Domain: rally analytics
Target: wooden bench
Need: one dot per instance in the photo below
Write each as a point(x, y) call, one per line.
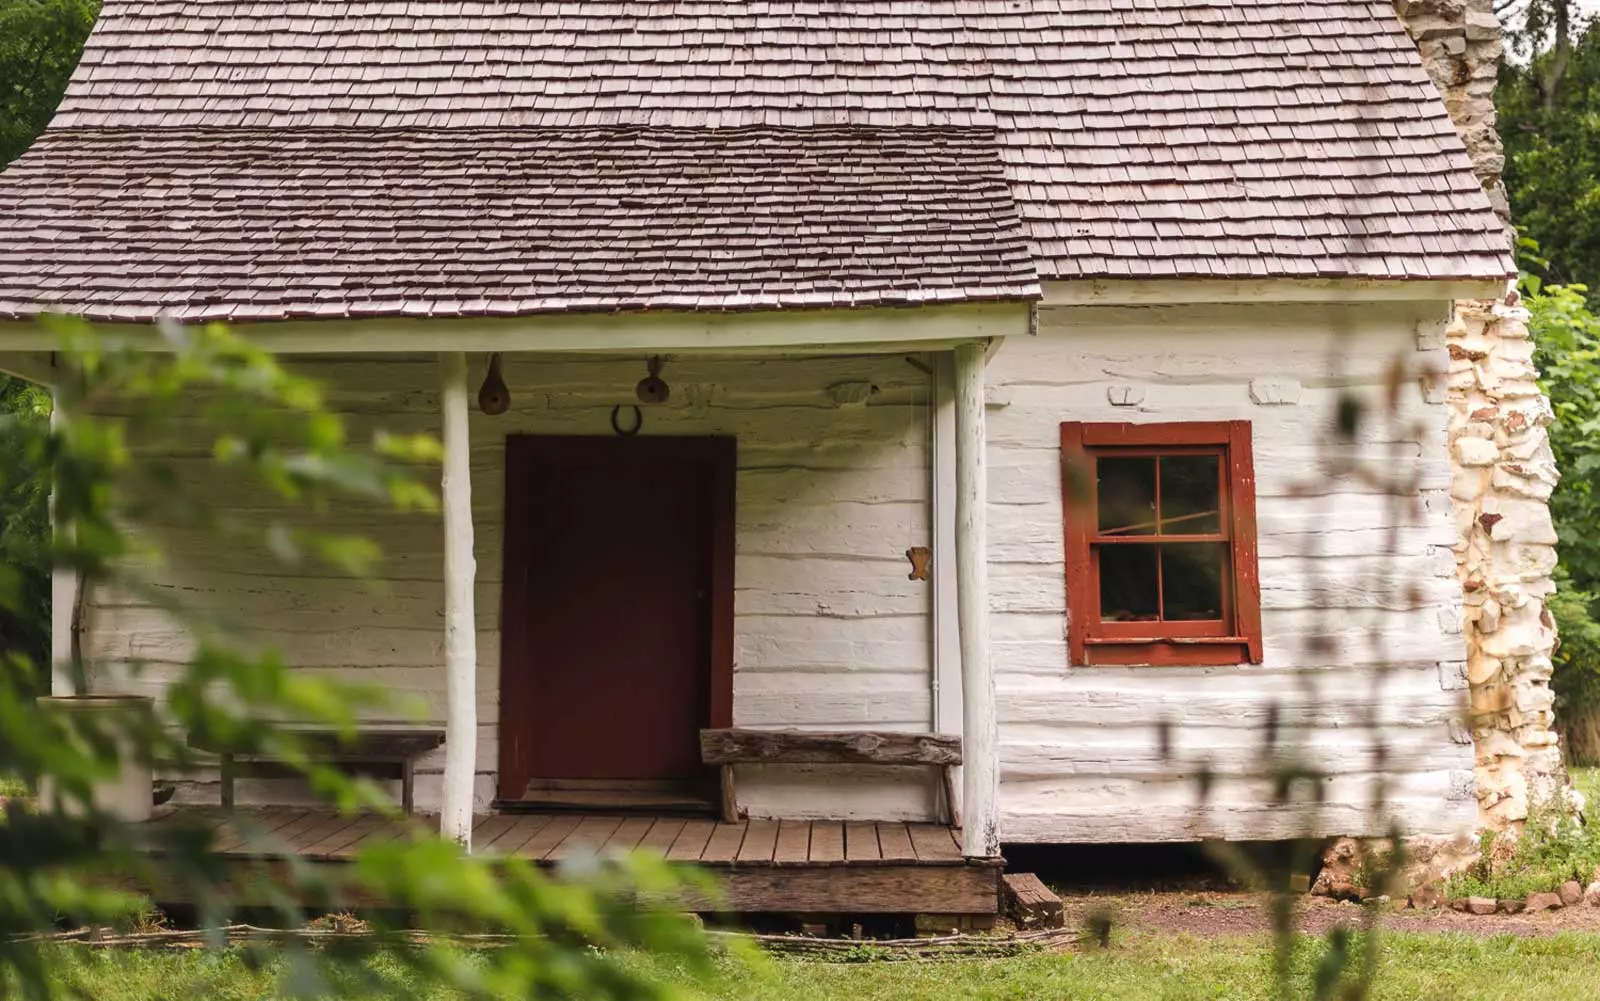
point(729, 747)
point(381, 753)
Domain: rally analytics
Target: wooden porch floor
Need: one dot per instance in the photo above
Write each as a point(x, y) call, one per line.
point(798, 866)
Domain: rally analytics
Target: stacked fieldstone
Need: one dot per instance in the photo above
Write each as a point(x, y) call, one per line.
point(1504, 471)
point(1461, 47)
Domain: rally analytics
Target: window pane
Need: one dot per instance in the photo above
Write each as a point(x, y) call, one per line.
point(1127, 495)
point(1190, 495)
point(1191, 579)
point(1128, 583)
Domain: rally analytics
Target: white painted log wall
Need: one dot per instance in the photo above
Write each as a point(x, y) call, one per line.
point(829, 632)
point(1081, 757)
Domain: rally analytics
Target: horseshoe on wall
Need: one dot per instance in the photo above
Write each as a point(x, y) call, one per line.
point(616, 422)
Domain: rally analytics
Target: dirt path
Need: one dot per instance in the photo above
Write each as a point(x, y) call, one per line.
point(1217, 914)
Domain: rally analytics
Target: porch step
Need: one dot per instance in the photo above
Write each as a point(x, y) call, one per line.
point(1028, 902)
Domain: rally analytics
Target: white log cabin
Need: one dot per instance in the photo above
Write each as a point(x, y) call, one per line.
point(1002, 348)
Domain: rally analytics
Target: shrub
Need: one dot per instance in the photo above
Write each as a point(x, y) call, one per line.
point(1567, 350)
point(1554, 847)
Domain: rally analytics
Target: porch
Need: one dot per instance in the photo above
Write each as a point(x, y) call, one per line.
point(788, 536)
point(760, 866)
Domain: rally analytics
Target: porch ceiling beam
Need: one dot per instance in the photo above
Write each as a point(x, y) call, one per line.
point(798, 330)
point(980, 792)
point(460, 628)
point(1180, 291)
point(37, 367)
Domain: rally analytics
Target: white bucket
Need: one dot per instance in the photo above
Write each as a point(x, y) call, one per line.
point(128, 795)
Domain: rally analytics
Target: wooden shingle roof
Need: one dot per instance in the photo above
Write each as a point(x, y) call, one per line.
point(818, 152)
point(275, 223)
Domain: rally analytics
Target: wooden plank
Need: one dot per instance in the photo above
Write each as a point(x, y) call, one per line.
point(380, 835)
point(627, 836)
point(658, 841)
point(231, 833)
point(376, 743)
point(283, 840)
point(858, 747)
point(861, 842)
point(886, 889)
point(225, 833)
point(598, 800)
point(487, 831)
point(691, 842)
point(585, 839)
point(727, 795)
point(933, 843)
point(521, 833)
point(723, 847)
point(331, 844)
point(827, 841)
point(895, 843)
point(548, 837)
point(760, 839)
point(316, 832)
point(276, 820)
point(1025, 898)
point(794, 842)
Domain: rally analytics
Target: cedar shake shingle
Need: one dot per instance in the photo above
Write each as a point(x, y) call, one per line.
point(1187, 138)
point(281, 223)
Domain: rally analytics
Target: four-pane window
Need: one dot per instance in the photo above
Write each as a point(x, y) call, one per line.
point(1160, 530)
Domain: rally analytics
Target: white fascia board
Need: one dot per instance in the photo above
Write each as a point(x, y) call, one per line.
point(926, 327)
point(1132, 292)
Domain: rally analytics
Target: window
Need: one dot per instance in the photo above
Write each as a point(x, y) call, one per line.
point(1161, 543)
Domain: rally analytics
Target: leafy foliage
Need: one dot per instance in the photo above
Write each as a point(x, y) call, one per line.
point(24, 526)
point(1550, 125)
point(1554, 847)
point(115, 475)
point(40, 41)
point(1566, 338)
point(1567, 351)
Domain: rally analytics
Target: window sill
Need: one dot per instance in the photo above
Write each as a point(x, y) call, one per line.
point(1164, 640)
point(1179, 651)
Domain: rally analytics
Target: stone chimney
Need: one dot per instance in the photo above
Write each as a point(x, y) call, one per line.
point(1461, 48)
point(1503, 468)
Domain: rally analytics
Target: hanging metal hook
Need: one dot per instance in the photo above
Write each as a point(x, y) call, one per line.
point(616, 422)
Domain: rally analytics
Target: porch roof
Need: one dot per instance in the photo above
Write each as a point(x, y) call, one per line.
point(269, 224)
point(1230, 139)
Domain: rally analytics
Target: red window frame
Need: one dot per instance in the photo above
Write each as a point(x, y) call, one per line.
point(1236, 638)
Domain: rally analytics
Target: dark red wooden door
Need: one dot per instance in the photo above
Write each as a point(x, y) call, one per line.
point(617, 591)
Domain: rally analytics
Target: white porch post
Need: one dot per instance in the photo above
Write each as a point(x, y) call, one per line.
point(460, 621)
point(64, 597)
point(980, 771)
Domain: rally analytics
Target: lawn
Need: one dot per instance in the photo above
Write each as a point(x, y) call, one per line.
point(1588, 781)
point(1147, 968)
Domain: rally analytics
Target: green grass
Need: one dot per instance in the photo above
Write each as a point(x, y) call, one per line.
point(1414, 968)
point(1588, 781)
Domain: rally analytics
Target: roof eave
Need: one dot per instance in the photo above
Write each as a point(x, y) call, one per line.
point(1182, 291)
point(862, 330)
